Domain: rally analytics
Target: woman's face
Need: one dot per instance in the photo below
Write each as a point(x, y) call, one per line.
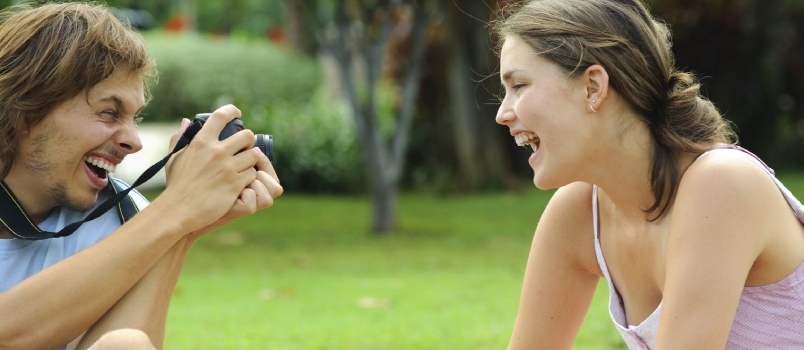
point(547, 109)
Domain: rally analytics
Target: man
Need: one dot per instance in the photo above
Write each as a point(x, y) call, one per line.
point(72, 82)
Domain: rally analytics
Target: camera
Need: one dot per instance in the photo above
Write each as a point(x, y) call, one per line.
point(262, 141)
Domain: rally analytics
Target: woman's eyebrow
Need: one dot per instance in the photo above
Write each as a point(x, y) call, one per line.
point(507, 75)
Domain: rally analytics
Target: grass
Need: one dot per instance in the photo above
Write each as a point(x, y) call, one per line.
point(307, 275)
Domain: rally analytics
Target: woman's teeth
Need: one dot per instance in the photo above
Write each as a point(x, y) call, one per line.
point(527, 140)
point(100, 163)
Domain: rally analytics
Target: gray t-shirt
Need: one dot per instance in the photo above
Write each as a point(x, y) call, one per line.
point(20, 259)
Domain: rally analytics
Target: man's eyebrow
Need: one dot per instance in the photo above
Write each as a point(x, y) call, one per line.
point(119, 104)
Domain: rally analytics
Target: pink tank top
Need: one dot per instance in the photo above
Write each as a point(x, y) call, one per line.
point(768, 317)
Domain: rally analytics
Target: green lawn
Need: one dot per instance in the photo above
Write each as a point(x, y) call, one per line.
point(307, 275)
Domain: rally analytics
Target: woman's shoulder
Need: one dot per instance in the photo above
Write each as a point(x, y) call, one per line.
point(730, 208)
point(732, 194)
point(571, 203)
point(724, 174)
point(567, 223)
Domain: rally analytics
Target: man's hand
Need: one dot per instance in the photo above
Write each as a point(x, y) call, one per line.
point(258, 195)
point(210, 178)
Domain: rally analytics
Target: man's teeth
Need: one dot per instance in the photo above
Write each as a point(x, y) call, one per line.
point(100, 163)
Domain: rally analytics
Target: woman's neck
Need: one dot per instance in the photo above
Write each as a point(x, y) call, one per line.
point(624, 173)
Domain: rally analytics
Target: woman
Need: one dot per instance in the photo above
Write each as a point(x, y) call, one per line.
point(695, 236)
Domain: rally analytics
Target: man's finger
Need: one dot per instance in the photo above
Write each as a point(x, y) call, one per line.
point(248, 201)
point(174, 139)
point(220, 117)
point(264, 198)
point(264, 164)
point(274, 188)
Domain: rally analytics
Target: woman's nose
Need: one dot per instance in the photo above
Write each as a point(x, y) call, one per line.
point(505, 114)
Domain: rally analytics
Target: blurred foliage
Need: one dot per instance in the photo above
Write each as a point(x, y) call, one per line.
point(250, 17)
point(279, 93)
point(199, 74)
point(747, 52)
point(316, 146)
point(255, 17)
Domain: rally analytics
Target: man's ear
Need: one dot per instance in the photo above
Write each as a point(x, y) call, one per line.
point(596, 80)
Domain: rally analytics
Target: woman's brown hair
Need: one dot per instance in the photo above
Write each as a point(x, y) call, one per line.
point(634, 48)
point(52, 53)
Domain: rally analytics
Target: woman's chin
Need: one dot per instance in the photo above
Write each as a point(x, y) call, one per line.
point(543, 182)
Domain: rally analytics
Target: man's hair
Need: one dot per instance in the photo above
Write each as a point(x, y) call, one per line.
point(52, 53)
point(634, 48)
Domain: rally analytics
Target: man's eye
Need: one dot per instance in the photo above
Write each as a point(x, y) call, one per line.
point(110, 113)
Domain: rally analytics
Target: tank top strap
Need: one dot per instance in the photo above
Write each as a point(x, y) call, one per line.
point(595, 213)
point(738, 148)
point(601, 261)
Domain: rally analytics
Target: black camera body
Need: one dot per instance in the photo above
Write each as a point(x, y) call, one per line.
point(262, 141)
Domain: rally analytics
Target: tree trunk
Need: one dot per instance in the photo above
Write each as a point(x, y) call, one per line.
point(459, 86)
point(350, 45)
point(383, 200)
point(297, 26)
point(483, 160)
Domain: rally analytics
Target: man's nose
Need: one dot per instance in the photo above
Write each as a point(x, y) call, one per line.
point(129, 139)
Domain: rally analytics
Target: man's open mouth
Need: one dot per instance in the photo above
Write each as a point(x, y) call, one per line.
point(99, 166)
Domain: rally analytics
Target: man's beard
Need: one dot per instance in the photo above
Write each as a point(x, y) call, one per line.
point(45, 170)
point(58, 191)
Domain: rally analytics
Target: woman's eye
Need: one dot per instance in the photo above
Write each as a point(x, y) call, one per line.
point(518, 86)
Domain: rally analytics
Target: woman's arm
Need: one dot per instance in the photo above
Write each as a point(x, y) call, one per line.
point(561, 275)
point(725, 215)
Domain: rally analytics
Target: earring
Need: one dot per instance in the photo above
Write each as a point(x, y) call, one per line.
point(591, 106)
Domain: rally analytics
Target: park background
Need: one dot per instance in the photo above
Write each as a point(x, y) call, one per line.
point(408, 213)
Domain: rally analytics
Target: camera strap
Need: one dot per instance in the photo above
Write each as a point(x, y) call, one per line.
point(14, 219)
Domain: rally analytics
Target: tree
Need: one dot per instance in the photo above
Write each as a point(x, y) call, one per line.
point(484, 149)
point(300, 25)
point(749, 55)
point(358, 35)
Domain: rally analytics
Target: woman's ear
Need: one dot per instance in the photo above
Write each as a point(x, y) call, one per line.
point(596, 80)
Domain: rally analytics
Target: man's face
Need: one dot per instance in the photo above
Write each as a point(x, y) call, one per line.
point(66, 159)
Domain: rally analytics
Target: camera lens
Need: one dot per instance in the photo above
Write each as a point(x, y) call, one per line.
point(266, 144)
point(262, 141)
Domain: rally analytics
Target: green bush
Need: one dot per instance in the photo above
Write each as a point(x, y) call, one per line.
point(279, 93)
point(198, 74)
point(316, 145)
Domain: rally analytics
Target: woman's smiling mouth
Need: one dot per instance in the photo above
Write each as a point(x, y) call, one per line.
point(528, 140)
